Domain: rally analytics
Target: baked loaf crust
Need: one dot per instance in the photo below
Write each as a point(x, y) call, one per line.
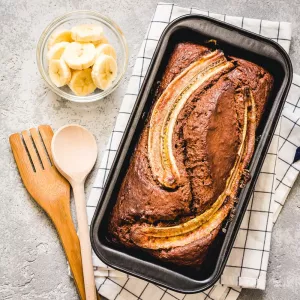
point(191, 159)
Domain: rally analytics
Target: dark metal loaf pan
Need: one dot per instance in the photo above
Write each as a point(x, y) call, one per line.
point(234, 41)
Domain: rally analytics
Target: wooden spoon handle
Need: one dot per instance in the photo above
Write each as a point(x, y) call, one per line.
point(65, 227)
point(85, 243)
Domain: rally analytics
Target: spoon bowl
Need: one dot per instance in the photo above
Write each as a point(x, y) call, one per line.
point(75, 151)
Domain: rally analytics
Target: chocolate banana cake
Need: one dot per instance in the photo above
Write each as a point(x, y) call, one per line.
point(192, 157)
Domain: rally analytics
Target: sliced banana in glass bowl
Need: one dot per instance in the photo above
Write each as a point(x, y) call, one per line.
point(82, 56)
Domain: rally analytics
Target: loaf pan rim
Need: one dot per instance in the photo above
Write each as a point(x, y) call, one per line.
point(196, 285)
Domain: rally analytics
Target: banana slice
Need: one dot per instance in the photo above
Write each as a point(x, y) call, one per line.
point(166, 110)
point(60, 36)
point(82, 83)
point(103, 40)
point(57, 50)
point(80, 56)
point(104, 71)
point(87, 33)
point(59, 72)
point(201, 233)
point(106, 49)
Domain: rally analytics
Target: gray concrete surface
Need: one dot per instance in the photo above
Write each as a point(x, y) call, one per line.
point(32, 263)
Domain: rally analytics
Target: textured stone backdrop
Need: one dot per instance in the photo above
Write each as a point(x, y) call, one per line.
point(32, 263)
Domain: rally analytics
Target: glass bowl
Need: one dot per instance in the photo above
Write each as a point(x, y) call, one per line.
point(111, 30)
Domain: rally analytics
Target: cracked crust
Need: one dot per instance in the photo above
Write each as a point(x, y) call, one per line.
point(204, 151)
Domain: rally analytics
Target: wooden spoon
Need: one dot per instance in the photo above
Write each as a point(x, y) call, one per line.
point(74, 151)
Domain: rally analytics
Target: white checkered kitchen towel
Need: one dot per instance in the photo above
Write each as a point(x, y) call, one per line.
point(247, 264)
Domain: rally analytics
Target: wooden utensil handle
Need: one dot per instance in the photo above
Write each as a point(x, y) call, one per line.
point(67, 233)
point(70, 242)
point(85, 243)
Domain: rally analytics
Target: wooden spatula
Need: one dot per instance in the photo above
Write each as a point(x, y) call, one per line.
point(32, 152)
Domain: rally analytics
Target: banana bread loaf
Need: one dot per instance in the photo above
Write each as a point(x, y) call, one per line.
point(191, 159)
